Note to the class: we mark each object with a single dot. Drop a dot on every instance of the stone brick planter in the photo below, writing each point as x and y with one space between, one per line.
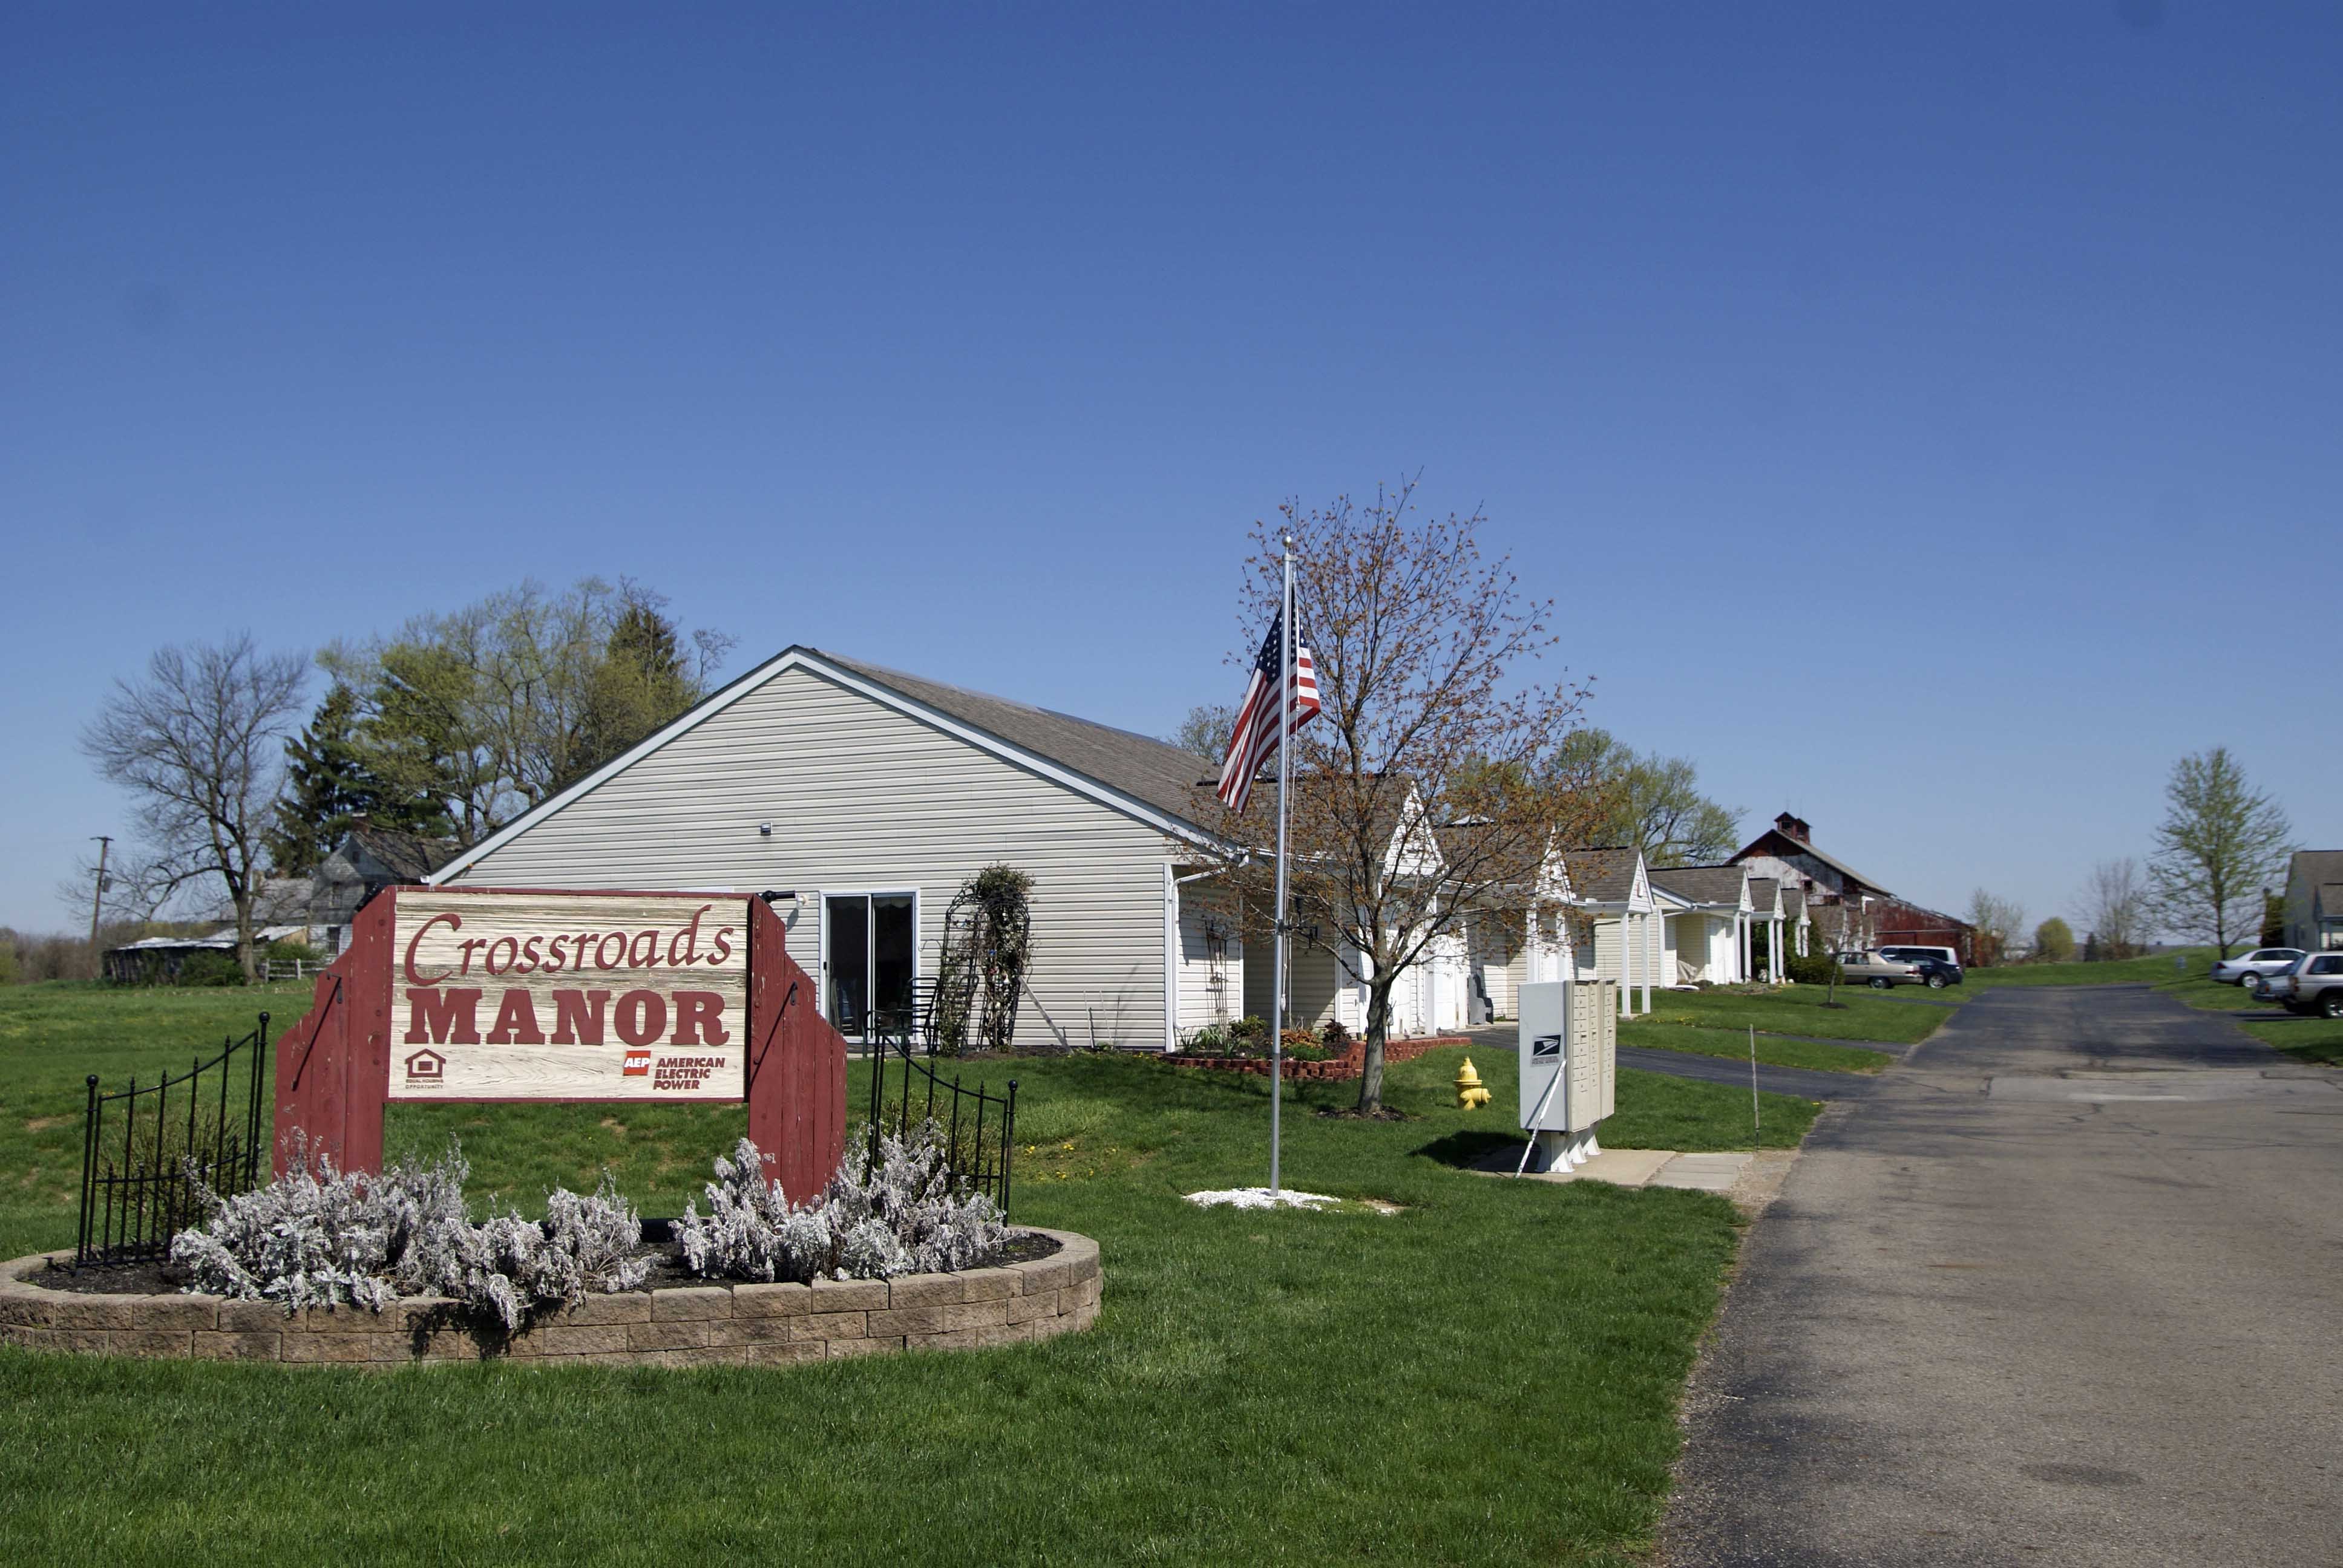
1334 1069
695 1326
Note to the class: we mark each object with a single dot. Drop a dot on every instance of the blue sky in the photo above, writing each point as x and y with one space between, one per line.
1926 418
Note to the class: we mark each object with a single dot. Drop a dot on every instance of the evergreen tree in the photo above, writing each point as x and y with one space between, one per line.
331 780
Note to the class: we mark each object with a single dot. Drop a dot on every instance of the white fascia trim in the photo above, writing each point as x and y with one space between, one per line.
798 659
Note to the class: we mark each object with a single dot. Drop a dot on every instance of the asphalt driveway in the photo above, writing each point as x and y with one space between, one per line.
2065 1286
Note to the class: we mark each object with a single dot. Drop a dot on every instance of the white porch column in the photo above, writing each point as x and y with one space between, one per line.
1651 957
1627 964
1742 945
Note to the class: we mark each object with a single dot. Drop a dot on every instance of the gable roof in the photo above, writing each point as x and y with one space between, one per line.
1765 894
1602 874
409 857
2322 870
1164 775
1702 884
1146 779
1774 841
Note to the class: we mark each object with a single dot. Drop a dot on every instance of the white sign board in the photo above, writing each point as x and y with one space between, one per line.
568 995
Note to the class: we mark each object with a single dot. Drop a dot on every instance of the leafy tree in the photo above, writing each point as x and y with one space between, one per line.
1651 802
2054 942
490 709
2273 918
2220 843
644 680
331 781
1431 784
199 744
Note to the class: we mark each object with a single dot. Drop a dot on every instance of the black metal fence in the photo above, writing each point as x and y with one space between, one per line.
978 1127
140 1145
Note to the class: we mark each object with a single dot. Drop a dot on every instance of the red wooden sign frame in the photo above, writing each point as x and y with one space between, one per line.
333 1068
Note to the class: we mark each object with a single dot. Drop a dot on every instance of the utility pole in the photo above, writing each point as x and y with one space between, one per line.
97 893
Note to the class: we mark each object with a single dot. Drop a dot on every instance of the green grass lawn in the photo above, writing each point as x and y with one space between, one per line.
1488 1375
2154 969
2311 1040
1663 1033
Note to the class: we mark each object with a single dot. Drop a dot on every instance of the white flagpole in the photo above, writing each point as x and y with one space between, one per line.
1284 779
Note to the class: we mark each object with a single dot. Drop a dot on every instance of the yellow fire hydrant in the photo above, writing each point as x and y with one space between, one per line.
1471 1093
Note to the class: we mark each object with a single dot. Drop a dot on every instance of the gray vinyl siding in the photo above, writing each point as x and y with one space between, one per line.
1209 993
865 797
1316 986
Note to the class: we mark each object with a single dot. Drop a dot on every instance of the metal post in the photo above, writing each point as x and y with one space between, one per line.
1284 781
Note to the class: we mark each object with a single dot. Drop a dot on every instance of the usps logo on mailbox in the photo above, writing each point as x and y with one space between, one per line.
1545 1045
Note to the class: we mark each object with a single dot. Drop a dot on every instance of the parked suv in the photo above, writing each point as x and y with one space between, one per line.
2315 984
1938 966
1878 971
2245 967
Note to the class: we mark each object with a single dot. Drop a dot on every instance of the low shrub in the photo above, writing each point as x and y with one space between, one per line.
1304 1045
1817 968
208 968
902 1213
319 1237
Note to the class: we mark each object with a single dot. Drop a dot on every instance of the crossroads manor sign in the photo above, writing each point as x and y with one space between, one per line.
498 996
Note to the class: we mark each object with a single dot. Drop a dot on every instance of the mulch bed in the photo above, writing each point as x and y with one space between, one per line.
161 1277
1334 1069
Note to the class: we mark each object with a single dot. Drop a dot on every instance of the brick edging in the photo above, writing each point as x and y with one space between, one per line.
1334 1069
736 1324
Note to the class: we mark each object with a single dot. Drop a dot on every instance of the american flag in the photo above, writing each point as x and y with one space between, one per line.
1257 734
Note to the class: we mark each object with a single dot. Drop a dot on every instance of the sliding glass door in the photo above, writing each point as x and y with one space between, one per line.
870 964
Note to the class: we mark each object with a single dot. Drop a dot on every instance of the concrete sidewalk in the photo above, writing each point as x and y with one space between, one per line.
2061 1289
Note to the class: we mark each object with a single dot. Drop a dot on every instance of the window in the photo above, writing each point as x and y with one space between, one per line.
2327 966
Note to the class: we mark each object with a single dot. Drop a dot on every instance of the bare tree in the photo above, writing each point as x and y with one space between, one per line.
199 744
1432 786
1996 922
1205 731
2114 907
2220 843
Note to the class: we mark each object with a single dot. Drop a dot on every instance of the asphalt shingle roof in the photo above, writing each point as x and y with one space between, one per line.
1151 771
1604 874
1702 884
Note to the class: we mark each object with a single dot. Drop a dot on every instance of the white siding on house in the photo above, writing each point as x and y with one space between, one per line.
1212 960
1608 951
864 797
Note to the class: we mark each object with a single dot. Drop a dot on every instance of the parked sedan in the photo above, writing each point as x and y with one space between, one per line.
2246 968
2314 985
1877 970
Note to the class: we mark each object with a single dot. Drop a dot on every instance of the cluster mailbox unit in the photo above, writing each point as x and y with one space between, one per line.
1570 1068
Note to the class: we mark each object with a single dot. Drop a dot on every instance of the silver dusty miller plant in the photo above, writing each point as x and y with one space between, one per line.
319 1237
903 1212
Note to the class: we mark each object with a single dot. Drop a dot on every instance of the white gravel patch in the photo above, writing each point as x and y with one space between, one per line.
1259 1198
